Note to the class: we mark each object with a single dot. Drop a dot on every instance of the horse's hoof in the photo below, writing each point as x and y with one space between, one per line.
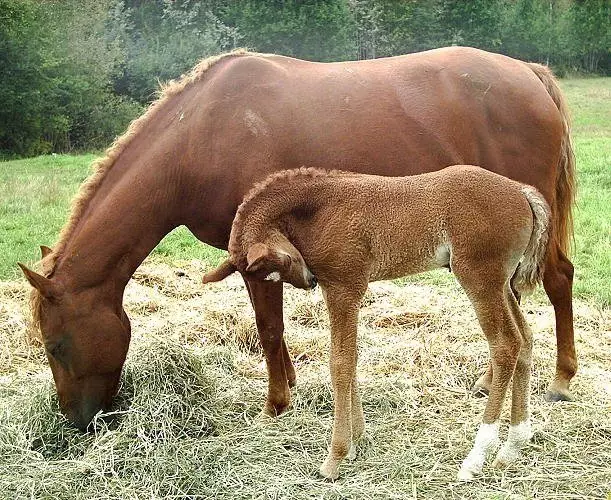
552 396
273 410
263 416
480 392
292 382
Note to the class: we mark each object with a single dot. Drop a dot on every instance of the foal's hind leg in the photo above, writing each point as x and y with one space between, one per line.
496 319
520 428
482 385
266 298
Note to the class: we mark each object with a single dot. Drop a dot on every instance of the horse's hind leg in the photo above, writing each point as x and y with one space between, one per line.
266 299
558 282
520 428
504 338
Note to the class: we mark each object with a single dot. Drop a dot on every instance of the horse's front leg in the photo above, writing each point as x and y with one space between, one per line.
266 299
343 314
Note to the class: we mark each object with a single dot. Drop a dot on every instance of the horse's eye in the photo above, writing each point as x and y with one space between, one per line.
55 350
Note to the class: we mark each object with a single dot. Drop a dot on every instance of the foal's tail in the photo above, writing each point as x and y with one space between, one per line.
530 270
220 273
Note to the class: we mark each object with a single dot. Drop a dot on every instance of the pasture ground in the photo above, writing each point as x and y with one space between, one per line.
186 420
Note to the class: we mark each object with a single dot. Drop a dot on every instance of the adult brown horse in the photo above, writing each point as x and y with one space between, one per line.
237 117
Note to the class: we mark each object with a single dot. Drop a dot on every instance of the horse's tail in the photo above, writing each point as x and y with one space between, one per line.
220 273
530 270
565 180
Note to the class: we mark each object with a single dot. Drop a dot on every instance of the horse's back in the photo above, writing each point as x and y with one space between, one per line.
393 116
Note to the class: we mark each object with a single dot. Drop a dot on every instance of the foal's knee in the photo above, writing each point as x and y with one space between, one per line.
508 350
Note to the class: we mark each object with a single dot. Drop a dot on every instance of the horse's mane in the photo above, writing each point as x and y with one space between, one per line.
275 182
103 165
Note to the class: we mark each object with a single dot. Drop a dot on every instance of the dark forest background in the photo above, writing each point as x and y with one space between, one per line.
73 73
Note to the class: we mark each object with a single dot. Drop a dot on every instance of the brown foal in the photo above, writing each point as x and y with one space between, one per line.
345 230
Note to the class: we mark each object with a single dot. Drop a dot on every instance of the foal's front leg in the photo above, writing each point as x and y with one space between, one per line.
343 309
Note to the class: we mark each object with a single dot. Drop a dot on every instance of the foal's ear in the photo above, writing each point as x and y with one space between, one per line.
257 257
260 256
45 286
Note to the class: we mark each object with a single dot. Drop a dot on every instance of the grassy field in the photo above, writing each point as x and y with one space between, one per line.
185 422
35 195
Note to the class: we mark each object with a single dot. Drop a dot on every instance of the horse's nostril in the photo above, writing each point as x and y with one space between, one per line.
313 282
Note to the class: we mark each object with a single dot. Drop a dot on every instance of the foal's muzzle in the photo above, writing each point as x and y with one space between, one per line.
313 282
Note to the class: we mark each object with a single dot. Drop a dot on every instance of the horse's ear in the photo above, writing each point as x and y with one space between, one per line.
45 286
44 250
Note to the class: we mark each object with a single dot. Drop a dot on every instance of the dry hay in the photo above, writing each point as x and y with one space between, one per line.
186 421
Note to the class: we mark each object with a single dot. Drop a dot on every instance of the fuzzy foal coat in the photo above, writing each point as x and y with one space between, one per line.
346 230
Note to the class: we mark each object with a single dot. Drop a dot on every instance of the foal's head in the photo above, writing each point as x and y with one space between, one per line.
86 338
279 262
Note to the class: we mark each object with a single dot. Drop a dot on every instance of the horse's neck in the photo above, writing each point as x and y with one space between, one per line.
127 216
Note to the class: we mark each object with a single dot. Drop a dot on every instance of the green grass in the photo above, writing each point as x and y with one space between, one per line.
35 194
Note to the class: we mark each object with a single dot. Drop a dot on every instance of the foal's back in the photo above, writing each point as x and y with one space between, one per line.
404 225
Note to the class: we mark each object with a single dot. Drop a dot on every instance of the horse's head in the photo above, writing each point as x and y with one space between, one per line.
86 339
279 261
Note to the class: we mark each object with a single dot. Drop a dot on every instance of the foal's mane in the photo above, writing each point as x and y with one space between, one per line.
103 165
274 183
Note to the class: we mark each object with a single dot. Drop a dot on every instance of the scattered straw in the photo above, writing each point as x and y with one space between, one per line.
186 421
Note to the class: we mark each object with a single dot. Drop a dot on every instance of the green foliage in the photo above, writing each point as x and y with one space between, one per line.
163 39
57 65
75 72
317 30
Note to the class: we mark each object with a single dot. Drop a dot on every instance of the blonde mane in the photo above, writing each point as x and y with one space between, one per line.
103 165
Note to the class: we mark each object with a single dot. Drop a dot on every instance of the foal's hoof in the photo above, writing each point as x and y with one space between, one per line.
330 469
480 391
351 452
553 396
505 457
292 382
466 475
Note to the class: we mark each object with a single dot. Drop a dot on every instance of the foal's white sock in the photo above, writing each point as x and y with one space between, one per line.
486 441
517 439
